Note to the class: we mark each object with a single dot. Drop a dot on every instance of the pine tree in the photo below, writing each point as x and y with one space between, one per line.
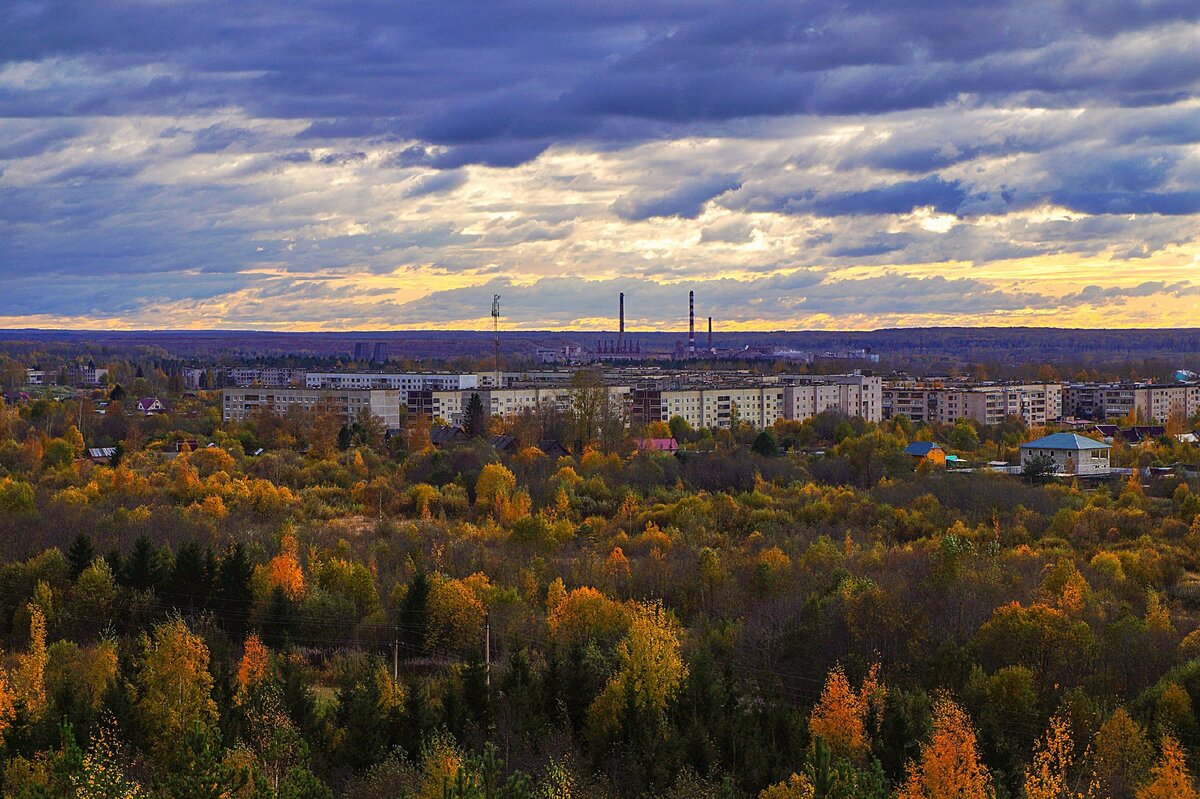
195 769
80 555
475 417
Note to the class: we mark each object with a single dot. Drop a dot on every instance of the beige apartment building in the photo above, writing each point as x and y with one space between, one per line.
1036 403
1148 401
853 395
238 403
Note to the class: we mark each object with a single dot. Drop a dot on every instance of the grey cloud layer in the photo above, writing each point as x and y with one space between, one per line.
184 150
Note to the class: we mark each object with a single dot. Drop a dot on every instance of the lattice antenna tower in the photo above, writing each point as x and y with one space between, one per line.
496 336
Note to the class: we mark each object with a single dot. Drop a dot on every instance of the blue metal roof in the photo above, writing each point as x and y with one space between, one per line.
1065 441
921 448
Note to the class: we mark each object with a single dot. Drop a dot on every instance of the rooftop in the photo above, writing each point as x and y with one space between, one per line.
1065 441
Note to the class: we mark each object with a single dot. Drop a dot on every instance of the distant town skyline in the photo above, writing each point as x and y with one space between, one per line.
371 166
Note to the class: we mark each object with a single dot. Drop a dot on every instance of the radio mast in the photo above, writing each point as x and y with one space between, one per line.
496 336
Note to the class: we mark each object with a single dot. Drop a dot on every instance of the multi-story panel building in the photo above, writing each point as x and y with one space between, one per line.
86 374
450 405
265 376
238 403
1036 403
709 407
1150 402
402 381
912 400
853 395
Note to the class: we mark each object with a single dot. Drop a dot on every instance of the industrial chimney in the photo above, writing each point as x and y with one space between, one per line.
710 334
621 329
691 323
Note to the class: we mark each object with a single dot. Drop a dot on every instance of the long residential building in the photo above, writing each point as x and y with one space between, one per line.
989 404
1151 402
450 405
239 403
402 381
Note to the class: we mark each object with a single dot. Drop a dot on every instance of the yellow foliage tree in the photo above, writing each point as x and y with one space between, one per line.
1170 778
174 686
586 613
495 483
949 767
1046 776
652 668
29 678
796 786
1121 755
101 776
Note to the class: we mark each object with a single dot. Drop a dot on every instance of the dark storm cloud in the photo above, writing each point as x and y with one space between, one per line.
686 200
292 126
944 196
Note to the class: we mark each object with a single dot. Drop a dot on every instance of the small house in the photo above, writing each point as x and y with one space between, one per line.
149 406
657 445
1071 453
926 451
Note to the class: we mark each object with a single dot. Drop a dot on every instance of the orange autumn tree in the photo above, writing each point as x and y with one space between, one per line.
841 715
8 700
1169 777
283 571
255 666
949 767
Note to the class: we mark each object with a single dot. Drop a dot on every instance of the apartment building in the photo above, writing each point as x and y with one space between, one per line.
709 407
401 381
239 403
1147 401
852 394
265 376
450 405
86 374
912 400
1036 403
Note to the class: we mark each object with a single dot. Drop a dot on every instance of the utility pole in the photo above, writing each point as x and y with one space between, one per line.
487 648
496 335
396 654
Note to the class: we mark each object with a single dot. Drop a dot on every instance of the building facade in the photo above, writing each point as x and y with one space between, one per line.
238 403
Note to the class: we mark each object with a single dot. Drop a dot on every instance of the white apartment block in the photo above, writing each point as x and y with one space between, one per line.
402 381
238 403
450 405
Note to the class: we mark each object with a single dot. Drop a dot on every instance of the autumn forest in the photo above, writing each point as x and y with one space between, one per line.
290 608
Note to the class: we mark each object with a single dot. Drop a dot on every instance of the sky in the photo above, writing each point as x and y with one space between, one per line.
799 164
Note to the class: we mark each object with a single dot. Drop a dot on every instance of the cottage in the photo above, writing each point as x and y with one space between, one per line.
657 445
149 406
926 451
1071 453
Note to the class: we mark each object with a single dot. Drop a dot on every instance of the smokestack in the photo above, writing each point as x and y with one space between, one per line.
710 334
621 334
691 323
